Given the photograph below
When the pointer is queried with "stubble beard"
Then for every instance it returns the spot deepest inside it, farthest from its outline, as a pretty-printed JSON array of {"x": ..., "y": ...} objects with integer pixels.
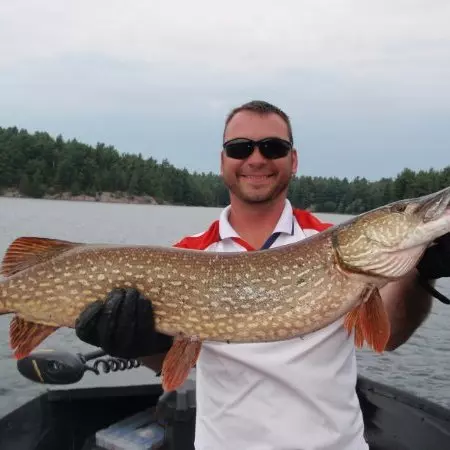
[{"x": 258, "y": 198}]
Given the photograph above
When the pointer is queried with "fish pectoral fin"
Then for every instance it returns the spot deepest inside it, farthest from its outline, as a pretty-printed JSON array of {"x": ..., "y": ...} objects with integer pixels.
[
  {"x": 25, "y": 336},
  {"x": 350, "y": 323},
  {"x": 370, "y": 321},
  {"x": 25, "y": 252},
  {"x": 178, "y": 362}
]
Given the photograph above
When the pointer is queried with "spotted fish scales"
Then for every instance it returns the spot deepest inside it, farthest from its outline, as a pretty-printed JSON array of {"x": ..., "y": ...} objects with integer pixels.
[{"x": 258, "y": 296}]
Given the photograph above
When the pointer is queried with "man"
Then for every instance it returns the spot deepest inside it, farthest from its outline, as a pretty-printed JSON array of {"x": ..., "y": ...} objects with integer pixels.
[{"x": 295, "y": 394}]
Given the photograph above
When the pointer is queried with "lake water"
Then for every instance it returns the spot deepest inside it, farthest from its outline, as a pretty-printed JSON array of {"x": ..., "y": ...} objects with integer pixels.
[{"x": 420, "y": 366}]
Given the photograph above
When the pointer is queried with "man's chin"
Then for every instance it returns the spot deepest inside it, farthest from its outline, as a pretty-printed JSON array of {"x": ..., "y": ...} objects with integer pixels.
[{"x": 258, "y": 198}]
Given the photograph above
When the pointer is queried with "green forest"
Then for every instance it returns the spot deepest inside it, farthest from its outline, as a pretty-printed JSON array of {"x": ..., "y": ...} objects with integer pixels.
[{"x": 39, "y": 165}]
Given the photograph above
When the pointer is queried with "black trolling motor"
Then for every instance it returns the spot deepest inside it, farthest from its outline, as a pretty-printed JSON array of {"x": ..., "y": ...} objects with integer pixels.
[
  {"x": 58, "y": 367},
  {"x": 176, "y": 409}
]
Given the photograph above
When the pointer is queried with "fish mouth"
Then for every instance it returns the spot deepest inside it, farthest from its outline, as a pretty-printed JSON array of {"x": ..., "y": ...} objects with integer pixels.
[
  {"x": 434, "y": 206},
  {"x": 433, "y": 220}
]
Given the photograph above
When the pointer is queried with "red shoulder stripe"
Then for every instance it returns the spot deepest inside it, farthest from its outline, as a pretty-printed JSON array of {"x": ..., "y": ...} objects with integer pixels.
[
  {"x": 306, "y": 220},
  {"x": 204, "y": 240},
  {"x": 242, "y": 243}
]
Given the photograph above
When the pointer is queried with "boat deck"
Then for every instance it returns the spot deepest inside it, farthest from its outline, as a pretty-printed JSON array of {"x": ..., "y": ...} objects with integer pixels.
[{"x": 69, "y": 418}]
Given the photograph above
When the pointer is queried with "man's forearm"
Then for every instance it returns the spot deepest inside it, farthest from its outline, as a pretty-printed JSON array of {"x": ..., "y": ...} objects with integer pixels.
[{"x": 407, "y": 305}]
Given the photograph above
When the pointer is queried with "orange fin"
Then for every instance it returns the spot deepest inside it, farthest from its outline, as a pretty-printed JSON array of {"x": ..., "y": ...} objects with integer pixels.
[
  {"x": 370, "y": 321},
  {"x": 25, "y": 336},
  {"x": 351, "y": 319},
  {"x": 178, "y": 362},
  {"x": 26, "y": 252}
]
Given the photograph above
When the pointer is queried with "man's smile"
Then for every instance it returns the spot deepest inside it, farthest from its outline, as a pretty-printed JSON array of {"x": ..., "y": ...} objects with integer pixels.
[{"x": 261, "y": 177}]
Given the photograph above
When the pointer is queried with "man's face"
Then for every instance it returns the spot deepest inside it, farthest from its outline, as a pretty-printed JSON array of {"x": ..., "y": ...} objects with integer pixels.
[{"x": 257, "y": 179}]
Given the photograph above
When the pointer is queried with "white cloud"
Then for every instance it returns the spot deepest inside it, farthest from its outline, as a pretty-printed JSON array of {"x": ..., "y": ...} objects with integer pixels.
[
  {"x": 235, "y": 35},
  {"x": 353, "y": 74}
]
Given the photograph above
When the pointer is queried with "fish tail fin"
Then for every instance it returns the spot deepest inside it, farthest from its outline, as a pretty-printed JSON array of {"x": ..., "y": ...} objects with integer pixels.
[
  {"x": 25, "y": 252},
  {"x": 25, "y": 335},
  {"x": 370, "y": 322},
  {"x": 178, "y": 362}
]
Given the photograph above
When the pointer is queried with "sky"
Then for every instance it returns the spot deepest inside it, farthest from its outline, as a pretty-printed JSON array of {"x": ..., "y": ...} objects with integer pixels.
[{"x": 365, "y": 83}]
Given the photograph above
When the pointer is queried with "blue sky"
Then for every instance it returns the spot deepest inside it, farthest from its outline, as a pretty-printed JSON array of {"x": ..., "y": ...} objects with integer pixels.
[{"x": 366, "y": 83}]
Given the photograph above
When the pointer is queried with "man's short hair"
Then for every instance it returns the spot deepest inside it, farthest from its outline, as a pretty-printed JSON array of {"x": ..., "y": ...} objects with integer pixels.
[{"x": 263, "y": 108}]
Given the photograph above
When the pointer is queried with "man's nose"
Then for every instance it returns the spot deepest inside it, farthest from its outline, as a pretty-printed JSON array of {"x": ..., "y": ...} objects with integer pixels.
[{"x": 256, "y": 158}]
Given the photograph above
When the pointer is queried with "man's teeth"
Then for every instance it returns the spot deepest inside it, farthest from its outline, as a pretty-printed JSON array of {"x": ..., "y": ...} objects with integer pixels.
[{"x": 256, "y": 176}]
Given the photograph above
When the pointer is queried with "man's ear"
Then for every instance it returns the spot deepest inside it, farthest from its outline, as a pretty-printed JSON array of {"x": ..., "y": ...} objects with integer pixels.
[
  {"x": 294, "y": 161},
  {"x": 221, "y": 163}
]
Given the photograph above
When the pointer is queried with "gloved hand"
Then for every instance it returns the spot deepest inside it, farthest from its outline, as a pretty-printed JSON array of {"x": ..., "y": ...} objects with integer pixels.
[
  {"x": 435, "y": 262},
  {"x": 122, "y": 325}
]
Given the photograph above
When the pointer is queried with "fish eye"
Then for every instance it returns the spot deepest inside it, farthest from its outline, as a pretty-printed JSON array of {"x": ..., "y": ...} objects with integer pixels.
[{"x": 401, "y": 207}]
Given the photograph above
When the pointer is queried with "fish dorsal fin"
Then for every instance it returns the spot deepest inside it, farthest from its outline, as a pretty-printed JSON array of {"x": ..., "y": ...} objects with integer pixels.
[{"x": 25, "y": 252}]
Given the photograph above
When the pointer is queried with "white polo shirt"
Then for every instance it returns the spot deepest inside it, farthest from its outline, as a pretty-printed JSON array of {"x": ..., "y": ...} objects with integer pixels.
[{"x": 297, "y": 394}]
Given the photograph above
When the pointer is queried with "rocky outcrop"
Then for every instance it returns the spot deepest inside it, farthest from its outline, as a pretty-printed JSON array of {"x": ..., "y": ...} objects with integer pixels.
[{"x": 103, "y": 197}]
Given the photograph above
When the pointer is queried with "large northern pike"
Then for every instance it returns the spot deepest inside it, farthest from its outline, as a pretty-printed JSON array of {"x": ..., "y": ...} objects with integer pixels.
[{"x": 255, "y": 296}]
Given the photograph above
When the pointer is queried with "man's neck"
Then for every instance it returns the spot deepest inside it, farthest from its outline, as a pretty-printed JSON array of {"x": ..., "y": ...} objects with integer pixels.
[{"x": 255, "y": 223}]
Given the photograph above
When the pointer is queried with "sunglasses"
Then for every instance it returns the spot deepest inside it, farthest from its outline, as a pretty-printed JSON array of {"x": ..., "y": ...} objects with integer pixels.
[{"x": 270, "y": 148}]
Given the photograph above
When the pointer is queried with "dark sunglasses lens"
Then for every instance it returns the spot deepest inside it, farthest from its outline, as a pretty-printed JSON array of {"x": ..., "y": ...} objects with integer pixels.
[
  {"x": 274, "y": 148},
  {"x": 238, "y": 150}
]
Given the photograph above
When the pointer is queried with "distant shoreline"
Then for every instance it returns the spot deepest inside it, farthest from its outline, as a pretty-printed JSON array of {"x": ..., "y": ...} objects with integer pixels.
[
  {"x": 104, "y": 197},
  {"x": 101, "y": 197}
]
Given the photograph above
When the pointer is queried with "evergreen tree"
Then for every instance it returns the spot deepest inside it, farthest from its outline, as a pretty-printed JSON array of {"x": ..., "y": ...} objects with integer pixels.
[{"x": 37, "y": 164}]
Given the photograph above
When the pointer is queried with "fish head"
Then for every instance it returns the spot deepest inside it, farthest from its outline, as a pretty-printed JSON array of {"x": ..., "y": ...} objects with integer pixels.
[{"x": 390, "y": 240}]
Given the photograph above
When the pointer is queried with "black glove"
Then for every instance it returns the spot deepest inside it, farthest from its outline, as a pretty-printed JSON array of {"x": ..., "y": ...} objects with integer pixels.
[
  {"x": 122, "y": 325},
  {"x": 435, "y": 262}
]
